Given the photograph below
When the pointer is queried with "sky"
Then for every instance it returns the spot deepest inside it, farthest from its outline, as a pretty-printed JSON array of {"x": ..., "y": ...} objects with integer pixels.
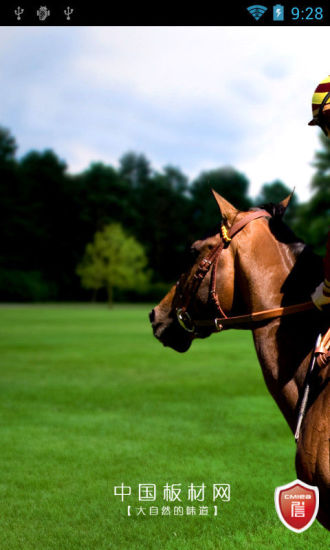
[{"x": 198, "y": 98}]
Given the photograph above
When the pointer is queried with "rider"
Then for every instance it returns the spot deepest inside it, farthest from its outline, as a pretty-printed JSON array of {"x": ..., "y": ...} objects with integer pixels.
[{"x": 321, "y": 118}]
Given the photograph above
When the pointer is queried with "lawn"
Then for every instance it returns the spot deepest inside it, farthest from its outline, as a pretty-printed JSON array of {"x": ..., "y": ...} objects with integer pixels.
[{"x": 90, "y": 401}]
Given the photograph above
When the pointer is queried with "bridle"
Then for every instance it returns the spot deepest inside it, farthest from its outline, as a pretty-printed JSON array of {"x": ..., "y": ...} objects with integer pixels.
[{"x": 210, "y": 261}]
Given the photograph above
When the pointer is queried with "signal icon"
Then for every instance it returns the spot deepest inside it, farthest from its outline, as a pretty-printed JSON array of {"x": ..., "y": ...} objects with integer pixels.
[{"x": 257, "y": 11}]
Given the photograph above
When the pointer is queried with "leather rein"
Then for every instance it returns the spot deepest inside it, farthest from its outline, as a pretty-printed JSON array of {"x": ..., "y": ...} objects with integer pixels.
[{"x": 210, "y": 261}]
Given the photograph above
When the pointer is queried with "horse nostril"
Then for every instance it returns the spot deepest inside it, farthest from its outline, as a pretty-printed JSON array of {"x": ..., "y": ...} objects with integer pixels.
[{"x": 152, "y": 315}]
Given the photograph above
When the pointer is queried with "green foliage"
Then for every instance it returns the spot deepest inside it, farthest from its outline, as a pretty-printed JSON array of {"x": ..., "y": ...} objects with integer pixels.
[
  {"x": 113, "y": 260},
  {"x": 135, "y": 168},
  {"x": 227, "y": 182},
  {"x": 313, "y": 218},
  {"x": 8, "y": 146},
  {"x": 152, "y": 292},
  {"x": 163, "y": 221},
  {"x": 25, "y": 286},
  {"x": 102, "y": 197},
  {"x": 47, "y": 215},
  {"x": 322, "y": 162},
  {"x": 275, "y": 192}
]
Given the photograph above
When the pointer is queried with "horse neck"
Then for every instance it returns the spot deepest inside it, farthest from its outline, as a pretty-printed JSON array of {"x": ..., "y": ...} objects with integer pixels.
[
  {"x": 266, "y": 268},
  {"x": 272, "y": 273}
]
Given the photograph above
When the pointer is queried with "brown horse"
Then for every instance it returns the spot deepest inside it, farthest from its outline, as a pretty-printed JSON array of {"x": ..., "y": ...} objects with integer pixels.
[{"x": 265, "y": 266}]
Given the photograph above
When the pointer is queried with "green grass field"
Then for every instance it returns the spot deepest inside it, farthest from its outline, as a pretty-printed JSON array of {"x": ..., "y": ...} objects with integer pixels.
[{"x": 90, "y": 400}]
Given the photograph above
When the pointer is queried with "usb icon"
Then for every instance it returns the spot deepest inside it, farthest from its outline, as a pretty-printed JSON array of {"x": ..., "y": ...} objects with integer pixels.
[{"x": 278, "y": 12}]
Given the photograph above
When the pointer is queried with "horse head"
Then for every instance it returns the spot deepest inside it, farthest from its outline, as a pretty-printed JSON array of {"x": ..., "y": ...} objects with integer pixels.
[{"x": 211, "y": 284}]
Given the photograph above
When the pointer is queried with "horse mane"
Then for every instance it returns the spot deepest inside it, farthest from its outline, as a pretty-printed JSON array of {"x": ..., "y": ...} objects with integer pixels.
[
  {"x": 279, "y": 228},
  {"x": 308, "y": 267},
  {"x": 276, "y": 210}
]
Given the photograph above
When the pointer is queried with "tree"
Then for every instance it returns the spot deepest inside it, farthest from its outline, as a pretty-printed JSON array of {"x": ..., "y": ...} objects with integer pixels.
[
  {"x": 321, "y": 180},
  {"x": 46, "y": 202},
  {"x": 135, "y": 168},
  {"x": 8, "y": 145},
  {"x": 313, "y": 218},
  {"x": 227, "y": 181},
  {"x": 103, "y": 197},
  {"x": 113, "y": 260},
  {"x": 276, "y": 192},
  {"x": 9, "y": 196},
  {"x": 162, "y": 220},
  {"x": 158, "y": 212}
]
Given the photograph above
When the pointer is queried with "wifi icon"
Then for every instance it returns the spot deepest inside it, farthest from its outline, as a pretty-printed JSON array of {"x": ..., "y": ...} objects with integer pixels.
[{"x": 257, "y": 11}]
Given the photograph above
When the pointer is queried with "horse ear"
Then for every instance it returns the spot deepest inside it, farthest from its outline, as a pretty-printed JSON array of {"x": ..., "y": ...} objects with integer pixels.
[
  {"x": 285, "y": 202},
  {"x": 227, "y": 210}
]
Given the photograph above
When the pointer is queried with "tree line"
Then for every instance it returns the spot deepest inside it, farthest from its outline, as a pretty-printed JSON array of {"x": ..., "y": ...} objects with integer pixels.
[{"x": 48, "y": 216}]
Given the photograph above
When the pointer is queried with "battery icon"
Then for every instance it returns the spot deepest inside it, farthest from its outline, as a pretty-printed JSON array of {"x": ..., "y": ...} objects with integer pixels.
[{"x": 278, "y": 12}]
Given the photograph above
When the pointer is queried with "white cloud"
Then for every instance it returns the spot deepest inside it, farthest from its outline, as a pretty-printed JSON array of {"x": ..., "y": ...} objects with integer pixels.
[
  {"x": 198, "y": 97},
  {"x": 82, "y": 156}
]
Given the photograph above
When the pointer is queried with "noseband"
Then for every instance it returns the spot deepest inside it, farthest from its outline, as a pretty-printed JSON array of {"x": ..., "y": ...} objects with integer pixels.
[{"x": 221, "y": 321}]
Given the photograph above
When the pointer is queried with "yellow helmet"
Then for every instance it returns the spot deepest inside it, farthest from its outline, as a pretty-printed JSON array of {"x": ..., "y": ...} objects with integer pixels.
[{"x": 321, "y": 97}]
